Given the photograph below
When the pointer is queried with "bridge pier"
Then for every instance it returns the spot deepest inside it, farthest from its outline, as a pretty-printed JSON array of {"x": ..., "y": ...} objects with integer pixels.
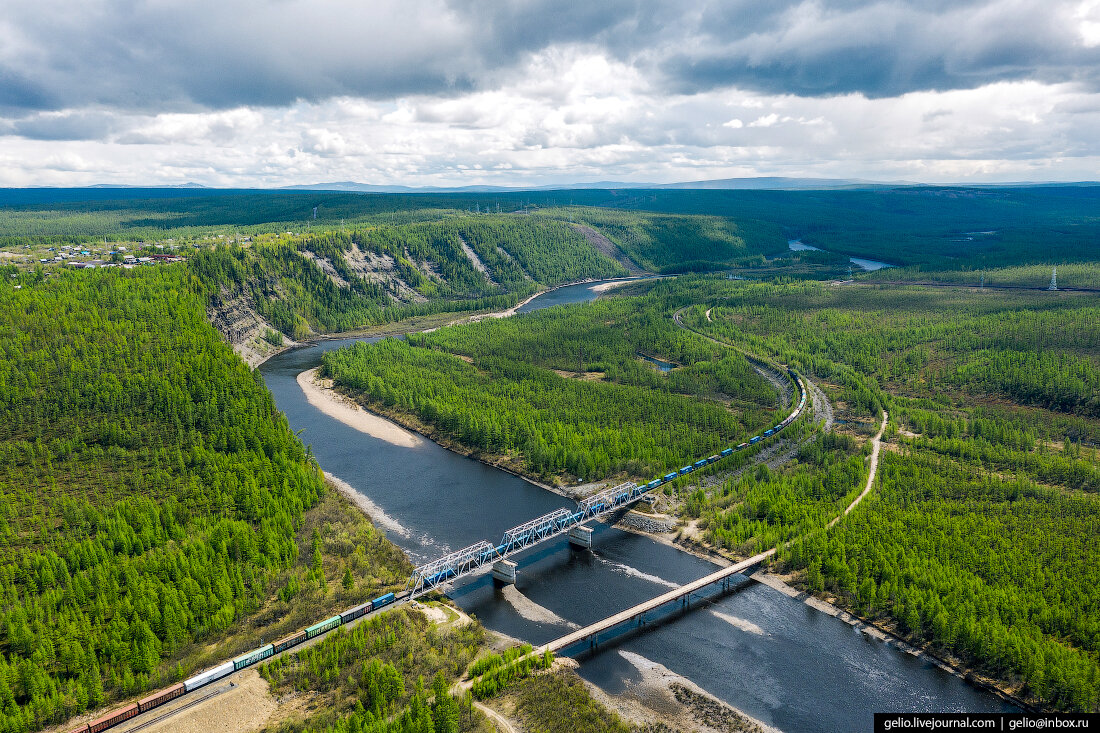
[
  {"x": 581, "y": 537},
  {"x": 504, "y": 571}
]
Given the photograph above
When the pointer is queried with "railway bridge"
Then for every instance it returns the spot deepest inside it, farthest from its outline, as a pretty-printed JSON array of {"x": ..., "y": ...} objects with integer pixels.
[{"x": 484, "y": 555}]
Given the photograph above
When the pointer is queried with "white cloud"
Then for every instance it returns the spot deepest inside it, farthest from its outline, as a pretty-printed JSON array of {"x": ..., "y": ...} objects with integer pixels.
[
  {"x": 1088, "y": 16},
  {"x": 765, "y": 120}
]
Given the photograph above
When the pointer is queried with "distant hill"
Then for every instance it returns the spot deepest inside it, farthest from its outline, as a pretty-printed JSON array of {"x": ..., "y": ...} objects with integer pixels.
[{"x": 761, "y": 183}]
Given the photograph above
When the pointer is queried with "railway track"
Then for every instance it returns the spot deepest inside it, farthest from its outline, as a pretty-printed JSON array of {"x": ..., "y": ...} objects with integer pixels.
[{"x": 169, "y": 713}]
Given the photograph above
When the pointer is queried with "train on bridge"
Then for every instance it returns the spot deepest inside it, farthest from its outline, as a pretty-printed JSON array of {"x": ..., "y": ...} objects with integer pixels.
[{"x": 469, "y": 559}]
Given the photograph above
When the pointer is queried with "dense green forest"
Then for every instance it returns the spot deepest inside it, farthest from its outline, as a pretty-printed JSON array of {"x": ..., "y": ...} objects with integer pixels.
[
  {"x": 152, "y": 495},
  {"x": 677, "y": 243},
  {"x": 945, "y": 228},
  {"x": 389, "y": 674},
  {"x": 980, "y": 538},
  {"x": 564, "y": 392}
]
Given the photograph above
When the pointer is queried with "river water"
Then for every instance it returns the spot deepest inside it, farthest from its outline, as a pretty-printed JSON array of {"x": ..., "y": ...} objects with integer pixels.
[
  {"x": 773, "y": 657},
  {"x": 865, "y": 264}
]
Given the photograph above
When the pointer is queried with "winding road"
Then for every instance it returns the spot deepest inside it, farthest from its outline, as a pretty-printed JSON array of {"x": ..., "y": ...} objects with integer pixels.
[{"x": 876, "y": 446}]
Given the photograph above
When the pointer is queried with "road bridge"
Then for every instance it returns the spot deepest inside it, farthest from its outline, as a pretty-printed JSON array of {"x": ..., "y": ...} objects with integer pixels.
[{"x": 637, "y": 613}]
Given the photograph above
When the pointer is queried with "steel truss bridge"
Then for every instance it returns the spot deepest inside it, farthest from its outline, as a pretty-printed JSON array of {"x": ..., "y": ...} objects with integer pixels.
[
  {"x": 470, "y": 560},
  {"x": 560, "y": 521}
]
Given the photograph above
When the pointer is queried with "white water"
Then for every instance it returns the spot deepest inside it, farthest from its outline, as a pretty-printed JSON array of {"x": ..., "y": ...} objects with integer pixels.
[
  {"x": 635, "y": 573},
  {"x": 740, "y": 623}
]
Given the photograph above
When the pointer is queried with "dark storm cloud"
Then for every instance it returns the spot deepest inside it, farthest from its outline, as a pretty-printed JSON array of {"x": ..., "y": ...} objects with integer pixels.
[
  {"x": 882, "y": 49},
  {"x": 76, "y": 126},
  {"x": 180, "y": 55}
]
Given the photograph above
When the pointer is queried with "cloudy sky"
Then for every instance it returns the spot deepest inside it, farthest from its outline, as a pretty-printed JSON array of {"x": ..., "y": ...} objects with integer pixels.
[{"x": 519, "y": 92}]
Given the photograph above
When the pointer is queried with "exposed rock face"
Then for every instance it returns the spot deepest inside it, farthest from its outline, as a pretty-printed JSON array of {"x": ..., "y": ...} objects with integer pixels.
[
  {"x": 609, "y": 248},
  {"x": 243, "y": 328}
]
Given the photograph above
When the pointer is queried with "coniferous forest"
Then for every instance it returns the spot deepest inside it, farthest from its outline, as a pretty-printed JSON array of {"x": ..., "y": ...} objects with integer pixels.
[{"x": 155, "y": 505}]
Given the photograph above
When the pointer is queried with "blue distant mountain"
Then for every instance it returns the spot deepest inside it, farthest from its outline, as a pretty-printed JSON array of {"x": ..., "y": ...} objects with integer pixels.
[{"x": 761, "y": 183}]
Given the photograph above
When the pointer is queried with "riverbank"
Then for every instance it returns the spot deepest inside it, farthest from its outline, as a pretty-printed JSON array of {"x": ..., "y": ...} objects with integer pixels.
[
  {"x": 882, "y": 633},
  {"x": 395, "y": 428},
  {"x": 256, "y": 356},
  {"x": 319, "y": 392},
  {"x": 674, "y": 700}
]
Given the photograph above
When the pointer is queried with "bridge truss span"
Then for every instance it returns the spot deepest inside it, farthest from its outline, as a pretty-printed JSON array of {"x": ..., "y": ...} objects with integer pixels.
[
  {"x": 471, "y": 559},
  {"x": 608, "y": 499},
  {"x": 455, "y": 563},
  {"x": 538, "y": 529}
]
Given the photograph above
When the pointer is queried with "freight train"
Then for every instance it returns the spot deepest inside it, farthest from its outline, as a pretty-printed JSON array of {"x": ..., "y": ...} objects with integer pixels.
[
  {"x": 751, "y": 441},
  {"x": 490, "y": 553},
  {"x": 245, "y": 660}
]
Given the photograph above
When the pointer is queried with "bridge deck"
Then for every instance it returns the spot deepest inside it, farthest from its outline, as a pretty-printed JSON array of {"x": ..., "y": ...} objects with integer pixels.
[{"x": 672, "y": 595}]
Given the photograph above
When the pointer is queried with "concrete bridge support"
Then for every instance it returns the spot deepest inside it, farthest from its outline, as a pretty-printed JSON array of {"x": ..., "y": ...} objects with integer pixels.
[
  {"x": 581, "y": 537},
  {"x": 504, "y": 572}
]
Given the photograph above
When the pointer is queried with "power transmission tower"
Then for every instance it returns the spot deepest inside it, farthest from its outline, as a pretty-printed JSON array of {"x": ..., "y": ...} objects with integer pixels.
[
  {"x": 982, "y": 286},
  {"x": 1053, "y": 279}
]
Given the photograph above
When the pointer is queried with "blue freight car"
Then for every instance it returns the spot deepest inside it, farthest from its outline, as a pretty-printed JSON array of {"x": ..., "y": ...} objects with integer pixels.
[
  {"x": 653, "y": 484},
  {"x": 700, "y": 464},
  {"x": 727, "y": 452},
  {"x": 669, "y": 476},
  {"x": 383, "y": 601},
  {"x": 755, "y": 440},
  {"x": 686, "y": 469}
]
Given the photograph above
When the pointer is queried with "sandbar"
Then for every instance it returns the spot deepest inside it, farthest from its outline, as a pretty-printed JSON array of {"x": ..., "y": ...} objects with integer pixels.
[{"x": 320, "y": 394}]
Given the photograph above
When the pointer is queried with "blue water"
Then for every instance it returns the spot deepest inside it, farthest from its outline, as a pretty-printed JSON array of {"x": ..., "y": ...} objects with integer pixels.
[
  {"x": 797, "y": 246},
  {"x": 863, "y": 263},
  {"x": 662, "y": 366}
]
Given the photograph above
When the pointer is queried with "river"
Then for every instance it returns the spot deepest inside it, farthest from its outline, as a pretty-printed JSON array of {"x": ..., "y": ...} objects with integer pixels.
[
  {"x": 866, "y": 265},
  {"x": 773, "y": 657}
]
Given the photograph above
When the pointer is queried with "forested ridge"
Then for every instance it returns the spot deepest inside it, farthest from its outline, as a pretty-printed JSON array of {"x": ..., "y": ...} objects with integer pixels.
[
  {"x": 339, "y": 281},
  {"x": 151, "y": 493}
]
